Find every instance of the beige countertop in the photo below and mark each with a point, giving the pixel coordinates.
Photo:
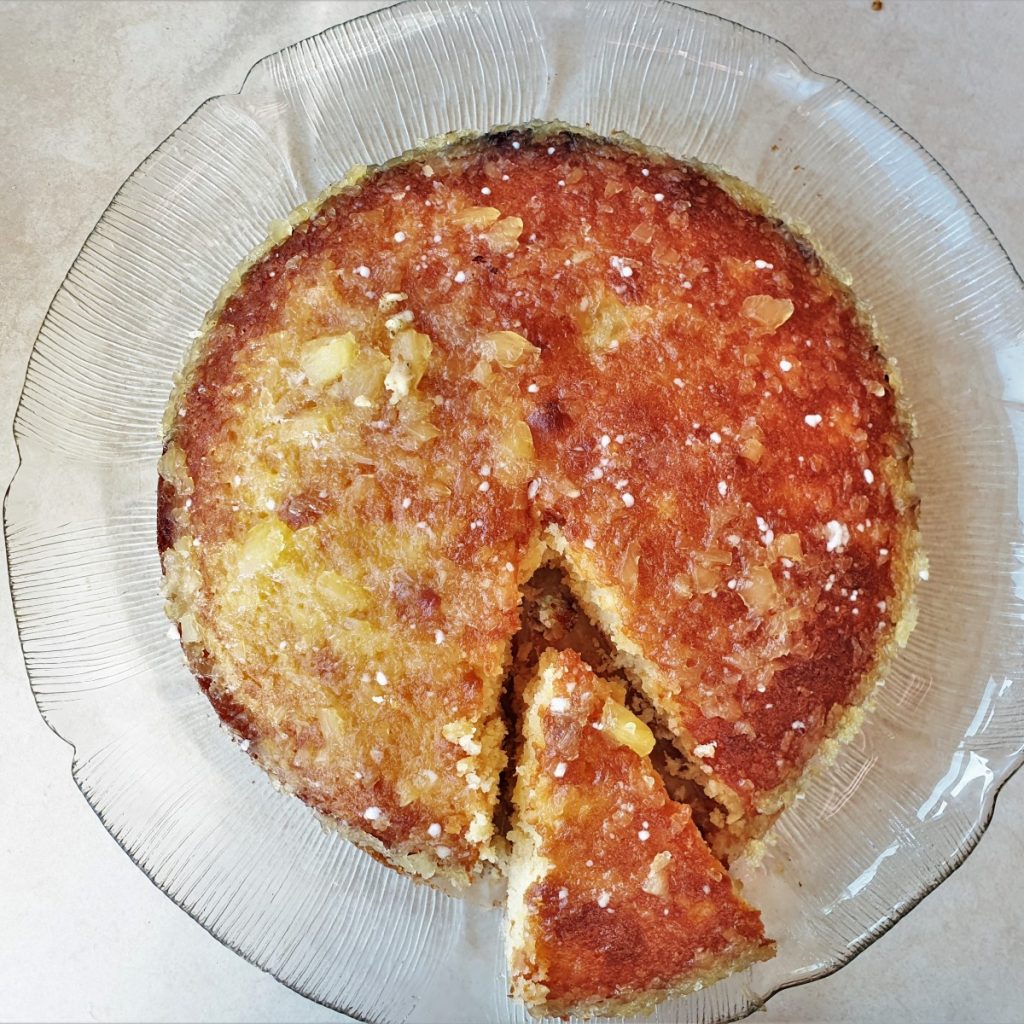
(90, 90)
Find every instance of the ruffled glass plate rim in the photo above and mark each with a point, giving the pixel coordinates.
(942, 870)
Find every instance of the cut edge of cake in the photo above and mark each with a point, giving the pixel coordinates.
(742, 833)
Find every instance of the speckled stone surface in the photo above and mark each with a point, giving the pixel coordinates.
(89, 90)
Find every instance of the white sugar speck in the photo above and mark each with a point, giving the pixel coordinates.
(363, 271)
(438, 636)
(603, 900)
(799, 725)
(406, 502)
(371, 813)
(785, 365)
(485, 486)
(485, 191)
(836, 535)
(643, 835)
(628, 500)
(559, 705)
(812, 420)
(532, 388)
(723, 487)
(589, 544)
(659, 197)
(763, 265)
(380, 678)
(716, 437)
(434, 830)
(460, 276)
(560, 768)
(399, 236)
(869, 477)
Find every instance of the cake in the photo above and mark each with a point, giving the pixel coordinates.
(615, 900)
(535, 350)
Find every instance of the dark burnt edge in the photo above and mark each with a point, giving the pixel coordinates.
(755, 1002)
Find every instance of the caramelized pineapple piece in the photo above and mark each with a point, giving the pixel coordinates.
(327, 358)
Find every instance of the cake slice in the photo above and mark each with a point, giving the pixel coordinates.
(615, 900)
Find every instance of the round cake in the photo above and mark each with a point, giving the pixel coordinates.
(535, 346)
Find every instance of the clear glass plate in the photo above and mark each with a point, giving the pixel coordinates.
(904, 803)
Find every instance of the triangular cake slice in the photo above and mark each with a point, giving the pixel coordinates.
(615, 900)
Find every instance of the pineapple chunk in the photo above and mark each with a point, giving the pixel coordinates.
(507, 347)
(476, 216)
(344, 597)
(751, 449)
(706, 578)
(482, 372)
(518, 442)
(624, 727)
(363, 383)
(656, 882)
(608, 322)
(766, 311)
(262, 547)
(503, 236)
(327, 358)
(759, 592)
(332, 727)
(788, 546)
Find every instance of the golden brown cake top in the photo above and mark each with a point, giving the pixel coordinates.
(621, 900)
(534, 337)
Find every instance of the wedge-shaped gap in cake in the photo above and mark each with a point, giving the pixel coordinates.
(552, 616)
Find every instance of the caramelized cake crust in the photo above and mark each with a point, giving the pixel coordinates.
(535, 339)
(615, 900)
